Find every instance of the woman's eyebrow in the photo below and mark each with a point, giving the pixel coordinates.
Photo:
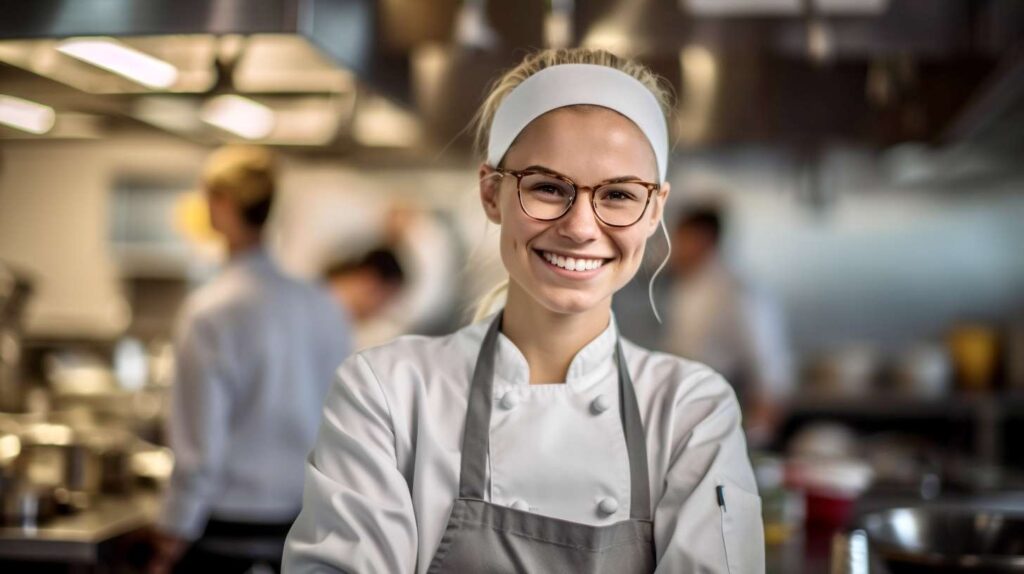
(620, 179)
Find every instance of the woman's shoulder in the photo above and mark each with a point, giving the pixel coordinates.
(424, 353)
(657, 373)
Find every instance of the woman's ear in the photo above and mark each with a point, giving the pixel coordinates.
(659, 208)
(490, 186)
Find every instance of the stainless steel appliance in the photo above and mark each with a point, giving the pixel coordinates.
(15, 291)
(930, 539)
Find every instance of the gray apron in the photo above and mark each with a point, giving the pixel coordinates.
(484, 537)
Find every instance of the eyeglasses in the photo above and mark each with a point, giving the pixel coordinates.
(547, 196)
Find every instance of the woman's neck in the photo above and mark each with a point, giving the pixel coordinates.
(549, 340)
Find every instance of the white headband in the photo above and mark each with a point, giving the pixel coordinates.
(573, 84)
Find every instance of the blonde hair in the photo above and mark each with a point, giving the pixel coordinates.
(244, 173)
(530, 65)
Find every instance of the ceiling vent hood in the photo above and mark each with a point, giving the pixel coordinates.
(164, 57)
(341, 29)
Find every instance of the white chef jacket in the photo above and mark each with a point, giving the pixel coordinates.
(254, 355)
(732, 327)
(384, 473)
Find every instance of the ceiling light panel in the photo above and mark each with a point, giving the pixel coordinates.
(240, 116)
(380, 123)
(742, 8)
(123, 60)
(66, 61)
(26, 115)
(851, 7)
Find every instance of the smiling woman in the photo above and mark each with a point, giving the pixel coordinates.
(540, 218)
(538, 440)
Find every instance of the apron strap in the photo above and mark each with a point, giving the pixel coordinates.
(476, 435)
(636, 442)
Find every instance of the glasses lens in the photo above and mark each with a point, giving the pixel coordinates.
(544, 196)
(620, 203)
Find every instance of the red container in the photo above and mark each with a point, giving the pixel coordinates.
(828, 511)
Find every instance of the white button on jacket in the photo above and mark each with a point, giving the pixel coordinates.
(384, 473)
(601, 404)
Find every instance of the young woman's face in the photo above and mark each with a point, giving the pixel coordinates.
(590, 145)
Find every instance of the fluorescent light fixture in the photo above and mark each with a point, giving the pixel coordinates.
(240, 116)
(852, 7)
(379, 123)
(746, 8)
(116, 57)
(25, 115)
(743, 7)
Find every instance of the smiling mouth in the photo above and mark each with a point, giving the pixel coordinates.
(571, 263)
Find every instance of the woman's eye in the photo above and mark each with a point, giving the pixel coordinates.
(619, 195)
(549, 189)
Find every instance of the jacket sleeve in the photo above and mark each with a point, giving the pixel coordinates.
(357, 513)
(708, 519)
(196, 427)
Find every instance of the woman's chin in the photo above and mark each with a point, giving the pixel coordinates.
(570, 302)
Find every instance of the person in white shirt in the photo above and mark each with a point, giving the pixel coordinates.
(723, 321)
(254, 353)
(537, 440)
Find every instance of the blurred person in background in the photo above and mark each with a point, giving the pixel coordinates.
(255, 352)
(364, 287)
(719, 319)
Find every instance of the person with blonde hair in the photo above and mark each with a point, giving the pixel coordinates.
(254, 353)
(538, 440)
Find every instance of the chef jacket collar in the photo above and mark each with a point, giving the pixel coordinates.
(591, 364)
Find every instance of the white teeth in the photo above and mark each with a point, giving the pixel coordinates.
(572, 263)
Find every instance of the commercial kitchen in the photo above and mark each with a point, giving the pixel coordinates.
(862, 157)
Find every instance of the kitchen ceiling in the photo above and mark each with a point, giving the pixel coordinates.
(338, 76)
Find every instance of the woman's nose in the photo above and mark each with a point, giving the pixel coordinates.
(580, 224)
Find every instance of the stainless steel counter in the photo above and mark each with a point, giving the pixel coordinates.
(79, 538)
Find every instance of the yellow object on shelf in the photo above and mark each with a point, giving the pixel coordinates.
(974, 349)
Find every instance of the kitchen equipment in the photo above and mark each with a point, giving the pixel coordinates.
(824, 440)
(782, 508)
(1015, 353)
(114, 448)
(974, 349)
(831, 486)
(946, 539)
(848, 371)
(15, 290)
(923, 371)
(52, 457)
(26, 505)
(152, 464)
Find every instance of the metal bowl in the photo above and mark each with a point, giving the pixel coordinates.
(947, 539)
